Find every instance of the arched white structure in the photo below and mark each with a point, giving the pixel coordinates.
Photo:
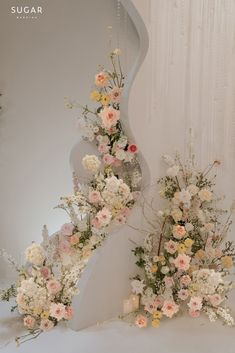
(105, 281)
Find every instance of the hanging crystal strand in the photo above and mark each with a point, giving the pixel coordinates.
(118, 11)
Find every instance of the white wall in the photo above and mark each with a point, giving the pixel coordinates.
(42, 61)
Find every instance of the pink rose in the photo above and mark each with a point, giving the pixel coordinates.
(94, 196)
(170, 247)
(183, 294)
(69, 313)
(101, 79)
(141, 321)
(103, 148)
(109, 117)
(45, 272)
(57, 311)
(215, 299)
(151, 307)
(64, 246)
(195, 304)
(179, 232)
(108, 159)
(182, 262)
(67, 229)
(46, 325)
(53, 286)
(168, 281)
(194, 314)
(115, 94)
(29, 321)
(74, 239)
(170, 308)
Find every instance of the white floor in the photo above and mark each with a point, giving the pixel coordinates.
(180, 335)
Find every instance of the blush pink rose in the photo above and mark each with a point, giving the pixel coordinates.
(194, 314)
(64, 246)
(168, 281)
(45, 272)
(185, 280)
(69, 312)
(74, 239)
(115, 94)
(141, 321)
(46, 325)
(29, 321)
(151, 307)
(182, 262)
(171, 247)
(53, 286)
(103, 148)
(215, 299)
(94, 196)
(170, 308)
(67, 229)
(57, 311)
(109, 117)
(183, 294)
(101, 79)
(179, 231)
(195, 304)
(108, 159)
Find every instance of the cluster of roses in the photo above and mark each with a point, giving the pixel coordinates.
(185, 263)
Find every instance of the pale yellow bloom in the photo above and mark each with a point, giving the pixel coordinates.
(188, 242)
(45, 314)
(157, 315)
(181, 248)
(95, 96)
(105, 99)
(227, 261)
(156, 323)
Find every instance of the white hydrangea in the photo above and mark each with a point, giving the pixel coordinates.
(35, 254)
(173, 171)
(207, 281)
(91, 163)
(31, 295)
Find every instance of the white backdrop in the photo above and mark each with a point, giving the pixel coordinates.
(42, 61)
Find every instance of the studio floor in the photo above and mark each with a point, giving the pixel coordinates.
(181, 335)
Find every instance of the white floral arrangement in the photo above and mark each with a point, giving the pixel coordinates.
(49, 279)
(185, 262)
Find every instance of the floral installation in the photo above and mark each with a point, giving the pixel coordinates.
(185, 261)
(49, 279)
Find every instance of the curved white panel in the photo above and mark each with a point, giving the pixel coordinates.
(105, 281)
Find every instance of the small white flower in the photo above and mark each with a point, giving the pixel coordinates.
(137, 286)
(173, 171)
(35, 254)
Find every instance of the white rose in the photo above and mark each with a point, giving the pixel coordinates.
(173, 171)
(189, 227)
(35, 254)
(91, 163)
(192, 189)
(120, 154)
(205, 195)
(165, 270)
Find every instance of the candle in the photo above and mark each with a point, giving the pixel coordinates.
(135, 299)
(127, 306)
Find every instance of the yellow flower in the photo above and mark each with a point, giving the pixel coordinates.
(188, 242)
(181, 248)
(200, 254)
(37, 311)
(154, 268)
(105, 99)
(156, 323)
(227, 261)
(162, 259)
(95, 96)
(45, 314)
(157, 315)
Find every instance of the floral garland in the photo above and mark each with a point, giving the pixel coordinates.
(48, 281)
(185, 261)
